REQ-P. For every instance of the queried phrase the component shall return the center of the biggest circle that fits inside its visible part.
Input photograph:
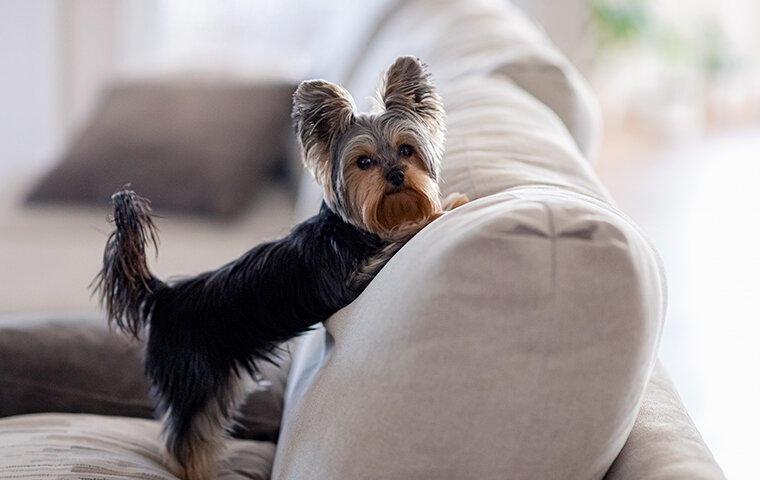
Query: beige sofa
(515, 337)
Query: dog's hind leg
(195, 434)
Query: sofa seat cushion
(70, 446)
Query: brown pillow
(74, 364)
(189, 145)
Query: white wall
(30, 124)
(57, 55)
(55, 58)
(88, 33)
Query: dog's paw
(201, 460)
(406, 230)
(454, 200)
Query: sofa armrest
(664, 443)
(511, 338)
(75, 364)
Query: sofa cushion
(501, 137)
(75, 364)
(192, 145)
(68, 446)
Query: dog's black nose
(396, 177)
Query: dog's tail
(125, 285)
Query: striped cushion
(70, 446)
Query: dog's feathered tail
(124, 284)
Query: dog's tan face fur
(377, 170)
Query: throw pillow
(193, 146)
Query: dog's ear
(408, 87)
(408, 90)
(321, 110)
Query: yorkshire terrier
(205, 334)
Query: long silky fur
(125, 283)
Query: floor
(698, 200)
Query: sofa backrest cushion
(459, 38)
(501, 137)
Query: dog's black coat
(204, 329)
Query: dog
(205, 334)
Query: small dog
(205, 334)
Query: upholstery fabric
(501, 137)
(78, 447)
(664, 443)
(196, 146)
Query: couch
(515, 337)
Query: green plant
(619, 23)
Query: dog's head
(377, 170)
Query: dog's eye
(405, 150)
(364, 162)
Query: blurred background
(678, 84)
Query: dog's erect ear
(321, 110)
(408, 87)
(408, 90)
